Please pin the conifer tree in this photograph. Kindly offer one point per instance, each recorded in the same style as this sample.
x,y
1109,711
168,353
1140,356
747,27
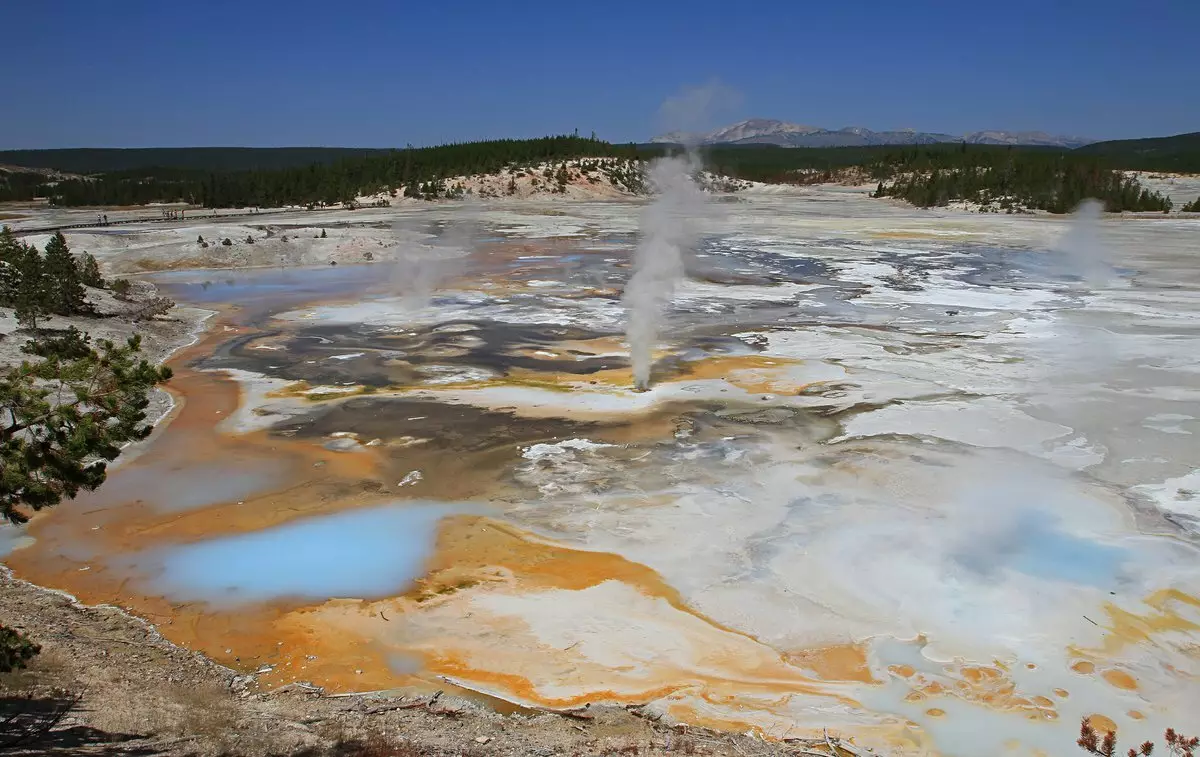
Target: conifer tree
x,y
89,272
33,295
11,252
121,289
15,650
69,411
64,287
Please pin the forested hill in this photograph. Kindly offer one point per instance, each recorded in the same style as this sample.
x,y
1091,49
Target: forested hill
x,y
94,160
1012,178
1177,153
994,176
421,172
1180,153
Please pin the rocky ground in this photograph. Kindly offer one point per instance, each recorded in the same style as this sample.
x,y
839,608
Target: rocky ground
x,y
127,691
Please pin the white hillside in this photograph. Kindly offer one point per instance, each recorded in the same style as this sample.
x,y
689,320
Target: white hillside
x,y
580,179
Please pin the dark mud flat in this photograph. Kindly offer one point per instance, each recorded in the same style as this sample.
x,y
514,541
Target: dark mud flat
x,y
447,428
394,357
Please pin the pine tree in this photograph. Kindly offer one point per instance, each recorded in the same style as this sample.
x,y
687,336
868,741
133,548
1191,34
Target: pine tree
x,y
33,296
121,289
15,650
11,252
62,278
70,411
89,272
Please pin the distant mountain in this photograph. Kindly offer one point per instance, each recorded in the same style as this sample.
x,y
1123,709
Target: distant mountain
x,y
742,132
1029,138
762,131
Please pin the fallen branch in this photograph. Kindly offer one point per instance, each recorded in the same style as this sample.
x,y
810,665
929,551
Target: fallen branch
x,y
402,706
580,714
307,688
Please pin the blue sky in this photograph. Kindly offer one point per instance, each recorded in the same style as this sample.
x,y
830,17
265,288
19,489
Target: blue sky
x,y
127,73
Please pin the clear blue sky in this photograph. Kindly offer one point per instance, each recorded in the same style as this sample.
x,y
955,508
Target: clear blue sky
x,y
125,73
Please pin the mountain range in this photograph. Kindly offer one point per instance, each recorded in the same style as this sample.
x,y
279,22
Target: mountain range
x,y
763,131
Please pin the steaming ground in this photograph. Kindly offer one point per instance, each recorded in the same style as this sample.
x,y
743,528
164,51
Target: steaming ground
x,y
923,477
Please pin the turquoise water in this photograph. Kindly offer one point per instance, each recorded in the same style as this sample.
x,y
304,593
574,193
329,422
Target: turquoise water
x,y
10,537
1048,552
1036,545
243,287
366,554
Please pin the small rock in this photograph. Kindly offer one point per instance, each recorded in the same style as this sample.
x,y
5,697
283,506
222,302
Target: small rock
x,y
482,739
410,478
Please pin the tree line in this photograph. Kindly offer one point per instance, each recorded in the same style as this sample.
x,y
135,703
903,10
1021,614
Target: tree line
x,y
1051,179
20,186
1053,185
36,285
421,172
930,175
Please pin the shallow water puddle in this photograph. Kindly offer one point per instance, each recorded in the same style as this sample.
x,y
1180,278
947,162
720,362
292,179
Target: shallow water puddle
x,y
371,552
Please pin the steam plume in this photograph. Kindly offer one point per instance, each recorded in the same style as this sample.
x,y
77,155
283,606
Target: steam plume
x,y
1086,255
669,227
671,224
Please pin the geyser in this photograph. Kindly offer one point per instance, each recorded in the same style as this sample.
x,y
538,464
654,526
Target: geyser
x,y
668,228
1085,255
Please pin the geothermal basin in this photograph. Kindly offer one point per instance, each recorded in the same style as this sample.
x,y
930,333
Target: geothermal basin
x,y
927,479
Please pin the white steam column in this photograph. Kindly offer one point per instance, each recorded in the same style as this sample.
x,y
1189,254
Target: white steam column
x,y
668,227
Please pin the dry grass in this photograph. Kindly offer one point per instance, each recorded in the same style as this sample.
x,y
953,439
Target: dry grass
x,y
375,745
207,712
